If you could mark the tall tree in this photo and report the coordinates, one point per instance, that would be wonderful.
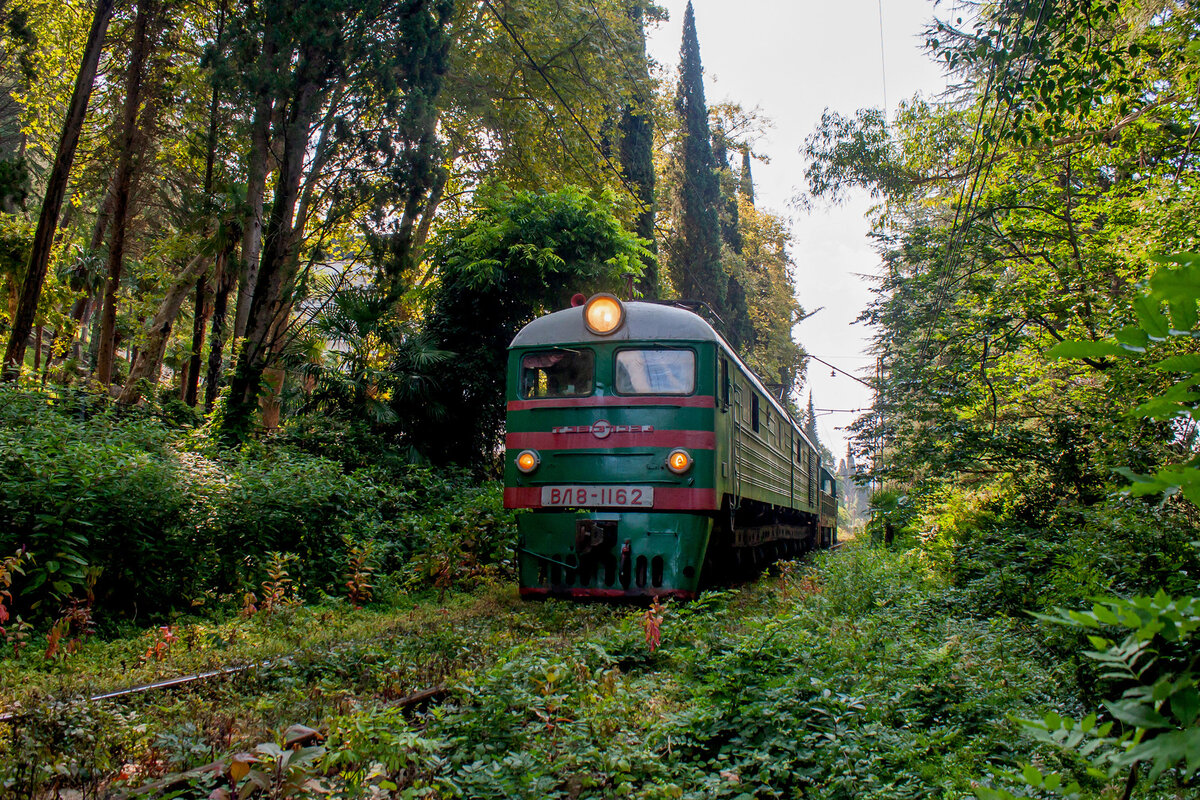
(381, 64)
(696, 254)
(135, 72)
(725, 177)
(810, 421)
(746, 178)
(637, 150)
(1018, 216)
(56, 187)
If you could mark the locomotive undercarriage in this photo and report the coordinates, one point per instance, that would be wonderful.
(611, 555)
(751, 535)
(655, 554)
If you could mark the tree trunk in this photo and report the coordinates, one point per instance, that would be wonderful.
(145, 369)
(84, 307)
(271, 401)
(203, 306)
(50, 355)
(116, 249)
(256, 184)
(199, 321)
(56, 187)
(37, 348)
(277, 271)
(224, 278)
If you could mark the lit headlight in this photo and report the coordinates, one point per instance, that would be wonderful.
(528, 460)
(603, 314)
(679, 461)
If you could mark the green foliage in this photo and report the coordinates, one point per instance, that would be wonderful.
(85, 486)
(1155, 664)
(520, 255)
(378, 373)
(1165, 332)
(848, 678)
(64, 742)
(1018, 214)
(1155, 721)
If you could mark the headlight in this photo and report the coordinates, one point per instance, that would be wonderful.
(603, 314)
(679, 461)
(528, 460)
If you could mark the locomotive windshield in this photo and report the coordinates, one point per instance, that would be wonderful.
(558, 373)
(656, 372)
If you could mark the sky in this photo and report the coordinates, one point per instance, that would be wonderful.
(792, 59)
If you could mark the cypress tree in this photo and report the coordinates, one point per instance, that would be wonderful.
(637, 150)
(746, 184)
(729, 214)
(810, 423)
(696, 266)
(739, 328)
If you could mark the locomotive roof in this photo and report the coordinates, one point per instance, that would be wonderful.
(643, 321)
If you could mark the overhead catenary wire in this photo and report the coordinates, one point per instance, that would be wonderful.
(852, 376)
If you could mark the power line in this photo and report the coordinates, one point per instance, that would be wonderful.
(570, 111)
(839, 369)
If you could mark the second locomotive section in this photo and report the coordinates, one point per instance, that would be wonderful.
(625, 438)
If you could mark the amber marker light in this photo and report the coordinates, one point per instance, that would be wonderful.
(603, 314)
(528, 460)
(679, 461)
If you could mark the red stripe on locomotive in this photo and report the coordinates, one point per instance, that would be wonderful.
(697, 440)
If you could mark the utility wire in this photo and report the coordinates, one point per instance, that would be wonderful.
(629, 188)
(839, 369)
(570, 111)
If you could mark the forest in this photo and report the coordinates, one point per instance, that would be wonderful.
(260, 266)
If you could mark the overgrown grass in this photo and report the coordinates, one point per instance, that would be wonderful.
(842, 678)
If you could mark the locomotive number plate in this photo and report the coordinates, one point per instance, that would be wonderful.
(621, 496)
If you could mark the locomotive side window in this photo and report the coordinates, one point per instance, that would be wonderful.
(724, 384)
(558, 373)
(754, 412)
(656, 372)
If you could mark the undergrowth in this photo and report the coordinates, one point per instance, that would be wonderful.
(844, 678)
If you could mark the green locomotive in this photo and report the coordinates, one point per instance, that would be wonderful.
(652, 458)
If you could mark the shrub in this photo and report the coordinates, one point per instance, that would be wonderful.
(166, 517)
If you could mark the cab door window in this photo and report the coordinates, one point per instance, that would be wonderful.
(558, 373)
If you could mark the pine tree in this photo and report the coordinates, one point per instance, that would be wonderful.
(696, 265)
(637, 151)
